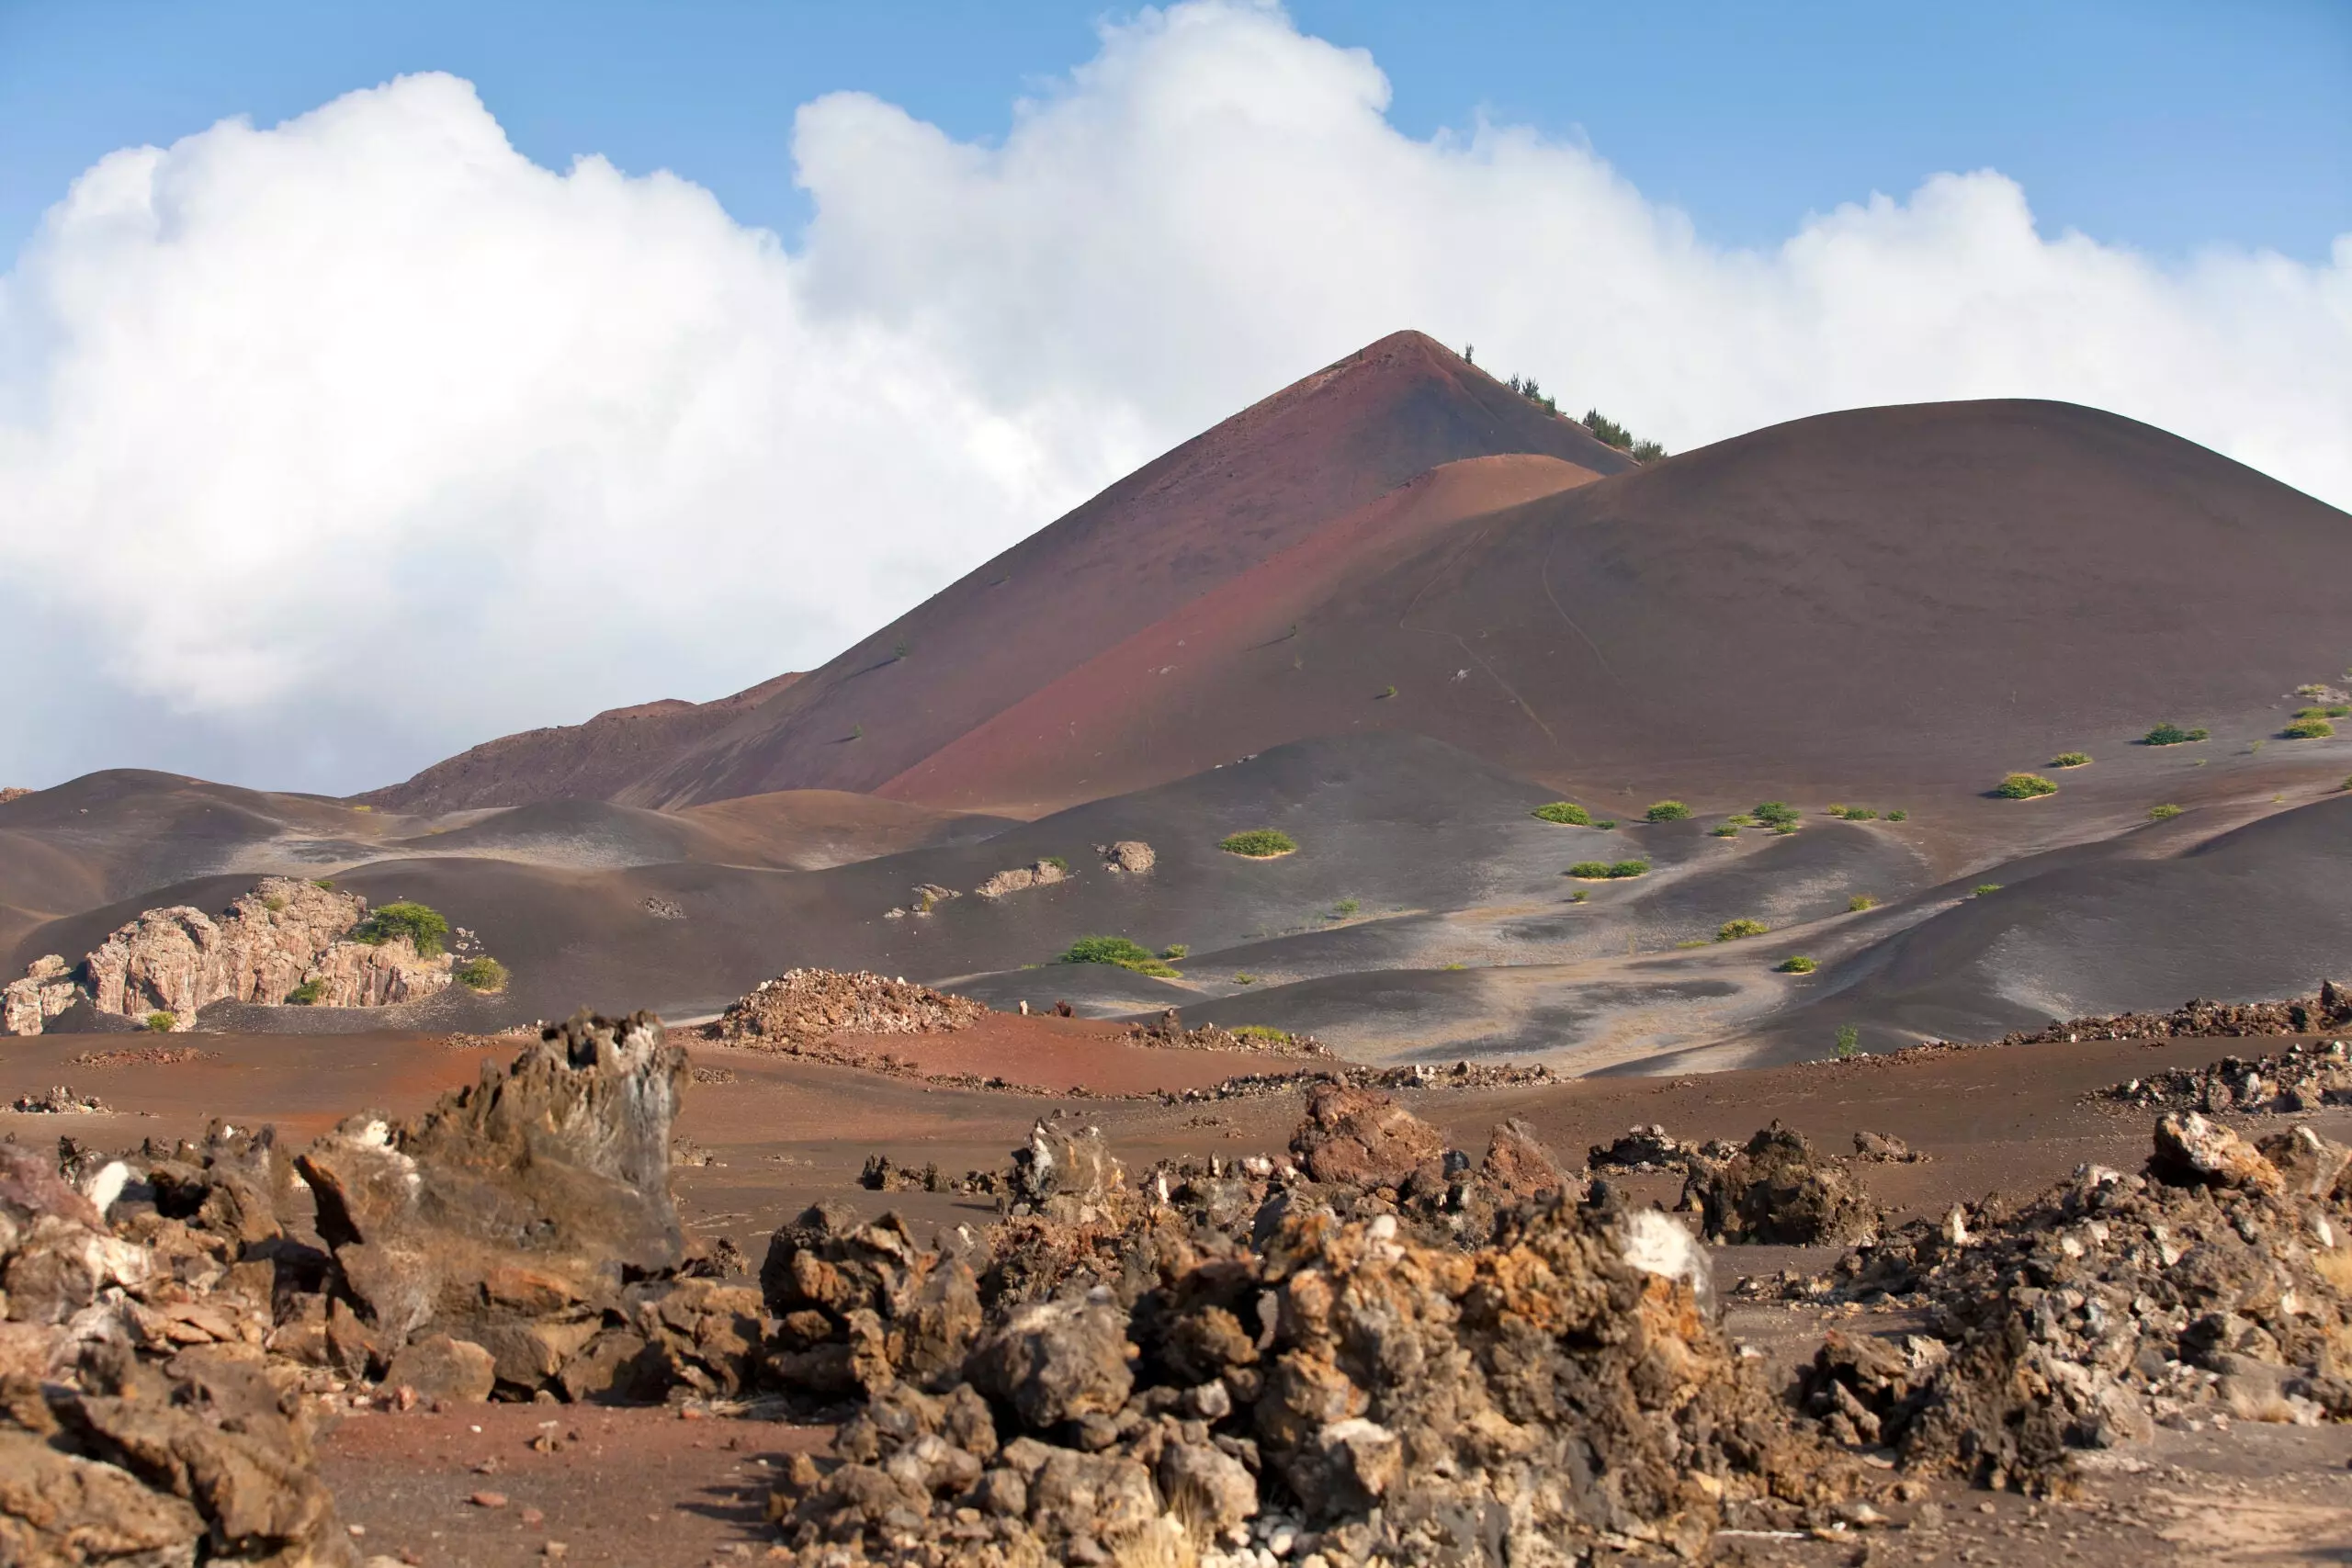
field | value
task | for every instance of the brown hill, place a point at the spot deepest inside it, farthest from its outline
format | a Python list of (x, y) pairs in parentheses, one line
[(1889, 599), (1218, 505), (594, 761)]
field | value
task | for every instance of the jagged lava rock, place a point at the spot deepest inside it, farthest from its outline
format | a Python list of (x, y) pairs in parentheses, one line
[(509, 1215), (1777, 1190), (1363, 1138)]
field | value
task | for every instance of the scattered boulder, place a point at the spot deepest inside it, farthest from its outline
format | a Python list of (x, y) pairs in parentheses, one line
[(61, 1101), (437, 1367), (48, 988), (2191, 1151), (1039, 874), (1885, 1148), (1516, 1164), (1127, 855), (1777, 1190)]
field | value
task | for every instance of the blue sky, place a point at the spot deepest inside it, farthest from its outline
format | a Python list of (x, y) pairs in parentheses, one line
[(2157, 125)]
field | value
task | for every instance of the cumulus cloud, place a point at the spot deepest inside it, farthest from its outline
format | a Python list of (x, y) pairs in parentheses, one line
[(328, 448)]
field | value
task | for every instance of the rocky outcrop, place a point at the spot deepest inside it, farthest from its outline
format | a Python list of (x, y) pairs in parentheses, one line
[(513, 1214), (13, 792), (48, 988), (1777, 1190), (1038, 873), (283, 940)]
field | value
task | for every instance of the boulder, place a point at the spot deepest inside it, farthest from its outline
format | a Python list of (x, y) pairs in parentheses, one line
[(2192, 1152), (1517, 1162), (1127, 855), (438, 1367), (1361, 1137), (1777, 1190), (1057, 1361), (48, 988)]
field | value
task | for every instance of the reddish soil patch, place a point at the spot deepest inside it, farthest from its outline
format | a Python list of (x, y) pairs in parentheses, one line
[(622, 1486)]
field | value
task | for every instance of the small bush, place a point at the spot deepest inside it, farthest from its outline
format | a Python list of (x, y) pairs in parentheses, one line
[(1665, 811), (1898, 815), (1245, 978), (1775, 814), (1454, 966), (1732, 930), (2163, 812), (2308, 729), (1345, 909), (1785, 829), (2171, 734), (2071, 759), (1982, 889), (1726, 832), (1259, 843), (1608, 871), (1174, 950), (307, 994), (1590, 870), (1262, 1031), (1850, 1042), (1835, 810), (1385, 693), (1566, 812), (1796, 966), (483, 973), (1582, 893), (161, 1022), (1625, 868), (1119, 952), (1739, 819), (1694, 941), (323, 883), (1859, 902), (274, 904), (2024, 786), (1606, 824), (1859, 814), (419, 924), (1056, 861), (2337, 710)]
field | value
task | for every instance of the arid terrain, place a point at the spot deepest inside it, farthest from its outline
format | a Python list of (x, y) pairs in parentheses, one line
[(1351, 824)]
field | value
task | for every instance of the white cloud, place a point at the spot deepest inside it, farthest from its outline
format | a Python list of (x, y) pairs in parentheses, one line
[(330, 448)]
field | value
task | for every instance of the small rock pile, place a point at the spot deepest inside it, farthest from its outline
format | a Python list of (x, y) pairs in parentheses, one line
[(1127, 855), (1651, 1149), (2323, 1013), (1295, 1351), (2289, 1082), (61, 1101), (1461, 1075), (2216, 1282), (1167, 1032), (798, 1010), (1038, 873)]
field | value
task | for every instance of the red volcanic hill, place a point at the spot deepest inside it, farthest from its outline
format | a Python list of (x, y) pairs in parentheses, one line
[(1897, 598), (1220, 505)]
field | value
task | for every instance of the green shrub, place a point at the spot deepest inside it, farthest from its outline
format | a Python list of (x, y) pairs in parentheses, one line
[(1174, 950), (2171, 734), (1726, 832), (1796, 966), (1898, 815), (1262, 1031), (1859, 814), (1452, 967), (2024, 786), (484, 974), (1245, 978), (1859, 902), (1850, 1042), (1775, 814), (1785, 829), (1982, 889), (2337, 710), (2163, 812), (1606, 824), (1259, 843), (1566, 812), (1117, 951), (1345, 909), (1590, 870), (307, 994), (1732, 930), (1582, 893), (1835, 809), (1694, 941), (1665, 811), (1385, 693), (161, 1022), (1625, 868), (323, 883), (1056, 861), (273, 903), (2309, 729), (420, 925), (2071, 759), (1739, 819)]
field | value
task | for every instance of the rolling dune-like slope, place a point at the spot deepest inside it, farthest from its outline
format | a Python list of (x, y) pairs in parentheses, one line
[(1913, 599), (593, 761)]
